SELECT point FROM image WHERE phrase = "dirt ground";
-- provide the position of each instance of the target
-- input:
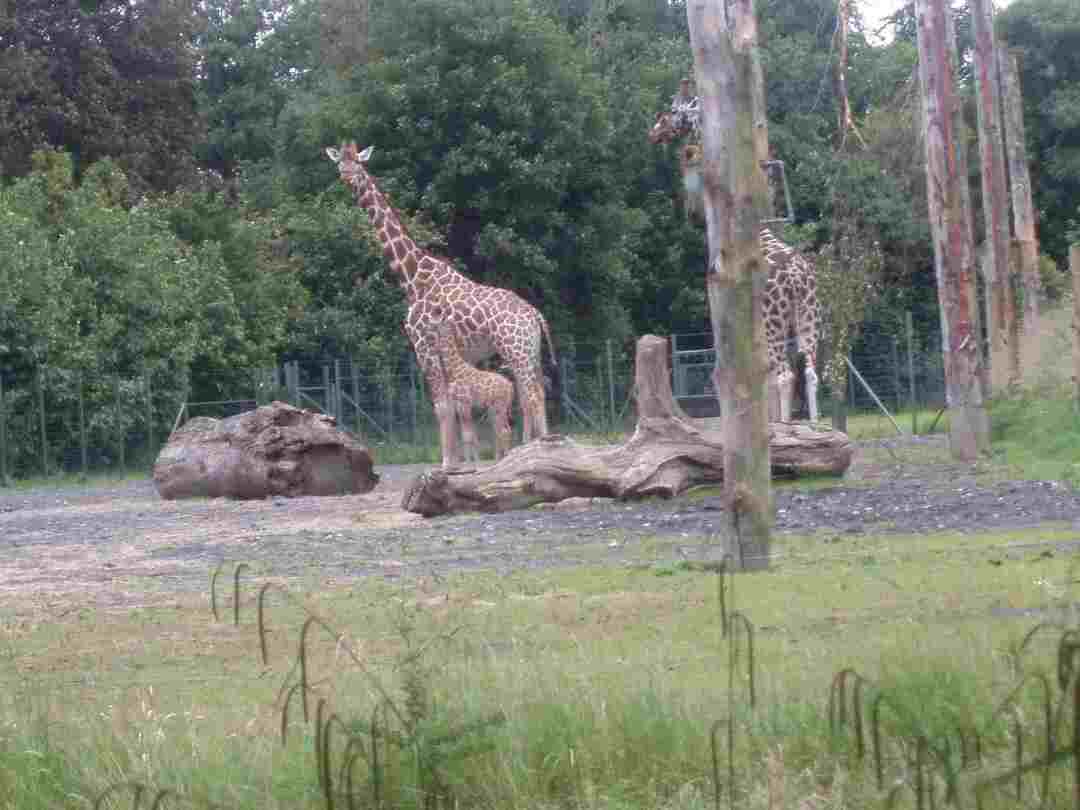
(120, 545)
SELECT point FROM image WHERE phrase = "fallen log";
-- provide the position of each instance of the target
(667, 454)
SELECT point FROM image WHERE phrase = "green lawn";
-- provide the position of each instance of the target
(604, 682)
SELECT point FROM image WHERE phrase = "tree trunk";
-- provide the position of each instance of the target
(667, 454)
(1074, 268)
(734, 144)
(1023, 208)
(950, 230)
(995, 199)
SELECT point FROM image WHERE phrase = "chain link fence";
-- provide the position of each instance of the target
(67, 422)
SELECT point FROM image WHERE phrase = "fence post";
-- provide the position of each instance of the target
(896, 373)
(338, 409)
(3, 437)
(1074, 267)
(355, 391)
(910, 327)
(40, 380)
(149, 414)
(119, 421)
(415, 397)
(292, 380)
(611, 381)
(82, 424)
(328, 402)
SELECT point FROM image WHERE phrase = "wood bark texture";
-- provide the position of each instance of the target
(667, 454)
(950, 228)
(1074, 268)
(276, 449)
(995, 199)
(1023, 208)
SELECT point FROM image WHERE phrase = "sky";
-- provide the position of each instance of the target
(874, 11)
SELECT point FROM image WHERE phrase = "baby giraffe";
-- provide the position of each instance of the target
(469, 387)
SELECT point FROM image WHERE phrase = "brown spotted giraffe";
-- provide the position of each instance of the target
(486, 320)
(469, 388)
(791, 304)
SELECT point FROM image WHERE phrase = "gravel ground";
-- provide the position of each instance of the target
(120, 545)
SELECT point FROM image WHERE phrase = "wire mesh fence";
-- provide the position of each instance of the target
(63, 421)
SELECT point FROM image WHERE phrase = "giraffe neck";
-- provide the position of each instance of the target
(455, 363)
(398, 247)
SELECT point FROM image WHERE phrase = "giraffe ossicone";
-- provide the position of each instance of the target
(791, 304)
(486, 320)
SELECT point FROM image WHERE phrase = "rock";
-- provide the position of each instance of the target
(274, 450)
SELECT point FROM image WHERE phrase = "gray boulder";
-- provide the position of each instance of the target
(276, 449)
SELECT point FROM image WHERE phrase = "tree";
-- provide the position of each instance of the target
(116, 82)
(735, 143)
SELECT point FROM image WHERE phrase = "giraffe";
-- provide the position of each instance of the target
(469, 387)
(486, 320)
(791, 304)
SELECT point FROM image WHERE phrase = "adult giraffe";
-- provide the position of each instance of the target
(486, 320)
(791, 304)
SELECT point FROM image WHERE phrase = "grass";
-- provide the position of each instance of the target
(609, 679)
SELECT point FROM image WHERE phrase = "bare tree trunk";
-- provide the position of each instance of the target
(734, 142)
(949, 220)
(961, 139)
(995, 199)
(846, 122)
(1074, 268)
(1023, 208)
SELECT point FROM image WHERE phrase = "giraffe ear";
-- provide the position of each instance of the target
(365, 156)
(333, 154)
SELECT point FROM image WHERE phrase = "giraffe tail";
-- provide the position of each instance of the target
(557, 382)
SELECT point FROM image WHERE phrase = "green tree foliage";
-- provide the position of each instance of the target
(1047, 35)
(115, 79)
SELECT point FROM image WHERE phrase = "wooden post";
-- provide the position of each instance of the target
(994, 195)
(82, 425)
(40, 379)
(120, 421)
(1074, 268)
(354, 378)
(1022, 205)
(149, 414)
(611, 382)
(3, 437)
(910, 327)
(896, 374)
(949, 225)
(734, 140)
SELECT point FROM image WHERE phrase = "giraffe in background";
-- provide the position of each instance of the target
(791, 304)
(486, 320)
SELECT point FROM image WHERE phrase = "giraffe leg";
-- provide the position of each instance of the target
(811, 388)
(527, 421)
(538, 405)
(785, 382)
(500, 420)
(447, 419)
(468, 435)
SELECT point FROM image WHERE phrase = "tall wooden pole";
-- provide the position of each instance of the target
(1074, 267)
(994, 197)
(734, 142)
(950, 230)
(1023, 207)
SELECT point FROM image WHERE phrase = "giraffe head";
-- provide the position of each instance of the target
(351, 164)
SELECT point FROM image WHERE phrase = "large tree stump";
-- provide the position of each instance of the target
(276, 449)
(667, 454)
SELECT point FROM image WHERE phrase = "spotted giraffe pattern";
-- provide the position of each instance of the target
(469, 388)
(486, 320)
(791, 304)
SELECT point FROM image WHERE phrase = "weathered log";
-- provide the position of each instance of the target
(276, 449)
(667, 454)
